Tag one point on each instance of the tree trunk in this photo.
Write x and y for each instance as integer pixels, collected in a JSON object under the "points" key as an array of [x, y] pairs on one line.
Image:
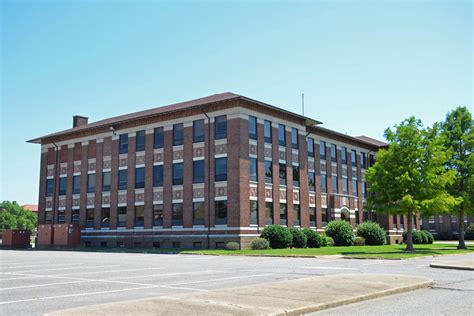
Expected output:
{"points": [[409, 247], [461, 244]]}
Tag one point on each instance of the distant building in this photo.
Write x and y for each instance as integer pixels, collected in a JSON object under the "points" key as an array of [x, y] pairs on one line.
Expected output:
{"points": [[31, 207], [445, 226], [202, 173]]}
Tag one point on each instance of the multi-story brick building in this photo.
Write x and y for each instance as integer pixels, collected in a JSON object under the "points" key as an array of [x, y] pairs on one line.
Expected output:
{"points": [[201, 173]]}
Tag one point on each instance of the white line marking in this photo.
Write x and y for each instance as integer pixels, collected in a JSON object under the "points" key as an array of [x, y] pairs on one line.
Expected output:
{"points": [[40, 264], [221, 279], [68, 268], [167, 274], [40, 285], [330, 268]]}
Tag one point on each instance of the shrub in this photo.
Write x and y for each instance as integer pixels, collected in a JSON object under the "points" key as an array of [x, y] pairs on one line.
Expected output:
{"points": [[299, 238], [278, 236], [324, 240], [259, 244], [372, 233], [341, 232], [329, 241], [469, 232], [444, 236], [416, 237], [359, 241], [232, 245], [313, 239], [424, 237], [429, 236]]}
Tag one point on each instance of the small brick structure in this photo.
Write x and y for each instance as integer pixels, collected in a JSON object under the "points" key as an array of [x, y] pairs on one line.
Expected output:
{"points": [[16, 238], [66, 235], [45, 235]]}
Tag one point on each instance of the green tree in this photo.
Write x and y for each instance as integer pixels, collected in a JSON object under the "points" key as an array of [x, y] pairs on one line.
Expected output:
{"points": [[458, 138], [409, 177], [13, 216]]}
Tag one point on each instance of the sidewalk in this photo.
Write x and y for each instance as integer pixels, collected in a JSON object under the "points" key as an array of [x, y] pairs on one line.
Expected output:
{"points": [[277, 298], [457, 265]]}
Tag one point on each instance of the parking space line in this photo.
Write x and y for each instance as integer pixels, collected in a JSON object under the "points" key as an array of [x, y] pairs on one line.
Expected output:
{"points": [[39, 264], [67, 268], [167, 274], [331, 268], [40, 285], [221, 279]]}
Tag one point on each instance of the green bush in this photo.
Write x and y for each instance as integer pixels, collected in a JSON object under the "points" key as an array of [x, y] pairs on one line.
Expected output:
{"points": [[299, 238], [278, 236], [232, 245], [424, 237], [469, 232], [429, 236], [324, 240], [416, 237], [372, 232], [313, 238], [444, 236], [259, 244], [329, 241], [359, 241], [341, 232]]}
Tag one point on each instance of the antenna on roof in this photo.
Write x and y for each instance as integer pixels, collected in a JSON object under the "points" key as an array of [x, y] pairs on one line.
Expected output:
{"points": [[302, 102]]}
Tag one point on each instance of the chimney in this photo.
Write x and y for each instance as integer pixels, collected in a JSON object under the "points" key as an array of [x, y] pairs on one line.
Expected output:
{"points": [[78, 120]]}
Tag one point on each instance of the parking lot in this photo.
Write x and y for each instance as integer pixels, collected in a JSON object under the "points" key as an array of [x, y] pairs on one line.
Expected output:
{"points": [[37, 282]]}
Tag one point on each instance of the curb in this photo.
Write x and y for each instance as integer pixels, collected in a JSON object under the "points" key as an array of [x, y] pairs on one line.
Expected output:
{"points": [[451, 267]]}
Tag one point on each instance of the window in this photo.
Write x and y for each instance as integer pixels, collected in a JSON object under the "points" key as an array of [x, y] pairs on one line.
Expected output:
{"points": [[157, 214], [281, 135], [325, 215], [357, 220], [89, 217], [140, 141], [62, 185], [176, 244], [354, 188], [122, 179], [310, 144], [198, 171], [364, 189], [344, 155], [296, 176], [282, 174], [312, 181], [91, 182], [197, 245], [363, 161], [296, 214], [121, 216], [283, 214], [333, 152], [140, 178], [158, 175], [220, 125], [139, 215], [48, 217], [198, 213], [322, 150], [324, 184], [253, 212], [178, 134], [123, 144], [268, 172], [76, 184], [294, 138], [106, 181], [371, 160], [177, 214], [269, 213], [221, 212], [105, 217], [198, 131], [221, 169], [178, 173], [345, 187], [75, 216], [61, 216], [353, 158], [252, 127], [267, 131], [334, 186], [253, 169], [158, 137], [49, 187], [312, 216]]}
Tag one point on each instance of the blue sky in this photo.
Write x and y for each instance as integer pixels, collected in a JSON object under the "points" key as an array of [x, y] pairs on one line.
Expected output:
{"points": [[363, 65]]}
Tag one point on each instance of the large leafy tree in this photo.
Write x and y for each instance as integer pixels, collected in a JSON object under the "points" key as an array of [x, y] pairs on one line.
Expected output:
{"points": [[13, 216], [458, 137], [409, 177]]}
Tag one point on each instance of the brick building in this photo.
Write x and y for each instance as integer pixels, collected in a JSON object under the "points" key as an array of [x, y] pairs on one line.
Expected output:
{"points": [[203, 172]]}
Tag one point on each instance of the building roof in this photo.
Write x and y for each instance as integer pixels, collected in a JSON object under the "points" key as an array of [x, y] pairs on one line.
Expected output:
{"points": [[169, 109], [31, 207], [372, 141]]}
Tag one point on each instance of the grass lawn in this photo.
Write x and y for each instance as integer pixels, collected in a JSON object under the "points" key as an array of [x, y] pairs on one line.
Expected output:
{"points": [[382, 252]]}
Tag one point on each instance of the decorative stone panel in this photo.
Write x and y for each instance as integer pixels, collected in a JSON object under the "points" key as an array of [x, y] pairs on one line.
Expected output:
{"points": [[158, 157], [198, 193], [344, 170], [323, 167], [140, 159], [295, 158], [344, 200], [139, 196], [77, 167], [157, 196], [312, 200], [324, 200], [282, 194], [281, 154], [63, 168], [178, 194], [76, 202], [107, 162], [90, 200], [268, 193], [106, 199], [221, 191], [221, 149], [334, 170], [354, 174], [122, 198], [296, 196], [252, 149], [50, 172], [198, 152], [49, 203], [363, 175], [268, 152], [62, 202], [91, 165], [178, 154], [311, 163], [253, 192]]}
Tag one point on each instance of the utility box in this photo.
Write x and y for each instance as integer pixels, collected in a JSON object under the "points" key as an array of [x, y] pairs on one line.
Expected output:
{"points": [[45, 235], [16, 238], [66, 235]]}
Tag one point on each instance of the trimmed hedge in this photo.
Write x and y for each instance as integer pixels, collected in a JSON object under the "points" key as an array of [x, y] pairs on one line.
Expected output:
{"points": [[359, 241], [313, 239], [232, 245], [329, 241], [469, 232], [341, 232], [299, 238], [372, 232], [259, 244], [278, 236], [427, 237], [416, 237]]}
